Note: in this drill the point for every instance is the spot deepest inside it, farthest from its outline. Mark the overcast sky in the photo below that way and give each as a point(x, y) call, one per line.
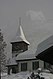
point(37, 20)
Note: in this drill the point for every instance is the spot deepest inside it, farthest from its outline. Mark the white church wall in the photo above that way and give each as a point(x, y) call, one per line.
point(29, 66)
point(41, 64)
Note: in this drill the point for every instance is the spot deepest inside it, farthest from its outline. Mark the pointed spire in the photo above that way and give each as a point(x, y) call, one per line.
point(20, 34)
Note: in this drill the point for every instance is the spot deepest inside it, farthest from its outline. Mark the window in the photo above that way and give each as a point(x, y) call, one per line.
point(23, 66)
point(35, 65)
point(46, 65)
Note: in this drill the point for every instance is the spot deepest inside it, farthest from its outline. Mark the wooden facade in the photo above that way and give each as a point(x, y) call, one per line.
point(19, 47)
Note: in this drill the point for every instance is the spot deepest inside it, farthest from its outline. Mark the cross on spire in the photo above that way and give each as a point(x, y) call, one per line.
point(19, 21)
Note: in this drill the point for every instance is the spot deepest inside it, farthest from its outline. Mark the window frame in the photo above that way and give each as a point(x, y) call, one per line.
point(33, 65)
point(22, 66)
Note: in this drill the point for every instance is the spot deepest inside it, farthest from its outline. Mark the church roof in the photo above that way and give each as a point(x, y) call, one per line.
point(45, 45)
point(20, 36)
point(29, 54)
point(11, 61)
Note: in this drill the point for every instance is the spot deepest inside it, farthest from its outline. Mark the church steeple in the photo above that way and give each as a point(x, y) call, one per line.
point(19, 43)
point(20, 34)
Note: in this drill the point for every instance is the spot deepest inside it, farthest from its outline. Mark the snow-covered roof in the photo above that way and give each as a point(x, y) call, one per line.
point(44, 45)
point(26, 55)
point(11, 61)
point(20, 36)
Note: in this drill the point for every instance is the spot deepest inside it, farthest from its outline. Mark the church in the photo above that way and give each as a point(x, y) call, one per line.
point(23, 59)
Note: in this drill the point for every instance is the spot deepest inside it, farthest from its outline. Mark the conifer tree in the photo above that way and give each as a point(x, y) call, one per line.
point(2, 54)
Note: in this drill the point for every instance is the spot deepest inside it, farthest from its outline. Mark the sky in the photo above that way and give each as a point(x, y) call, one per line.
point(36, 20)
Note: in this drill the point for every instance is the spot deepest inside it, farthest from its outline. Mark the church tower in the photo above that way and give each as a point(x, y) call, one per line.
point(19, 43)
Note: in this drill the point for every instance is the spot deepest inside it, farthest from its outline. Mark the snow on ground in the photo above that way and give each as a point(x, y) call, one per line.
point(21, 75)
point(24, 75)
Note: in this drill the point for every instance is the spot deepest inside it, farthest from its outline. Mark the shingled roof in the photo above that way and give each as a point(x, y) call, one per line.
point(27, 55)
point(11, 62)
point(44, 45)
